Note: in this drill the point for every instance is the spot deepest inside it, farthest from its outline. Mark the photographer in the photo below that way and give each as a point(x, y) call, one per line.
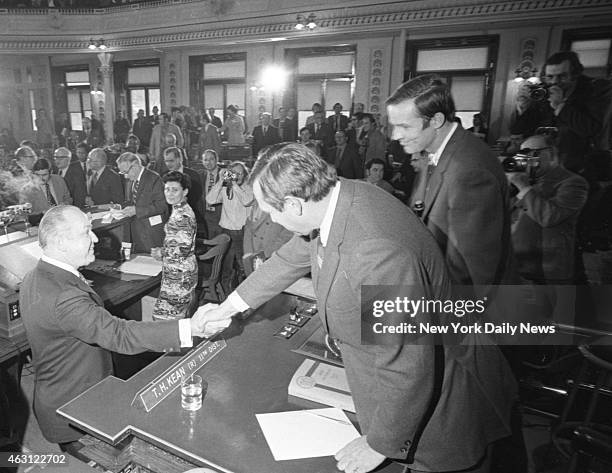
point(545, 212)
point(235, 195)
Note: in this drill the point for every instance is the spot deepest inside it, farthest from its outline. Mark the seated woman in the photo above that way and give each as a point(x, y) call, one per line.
point(180, 267)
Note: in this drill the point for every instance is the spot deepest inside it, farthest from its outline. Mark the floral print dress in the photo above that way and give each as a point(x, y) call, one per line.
point(179, 265)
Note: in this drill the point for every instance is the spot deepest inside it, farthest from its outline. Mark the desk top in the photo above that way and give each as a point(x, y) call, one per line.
point(250, 376)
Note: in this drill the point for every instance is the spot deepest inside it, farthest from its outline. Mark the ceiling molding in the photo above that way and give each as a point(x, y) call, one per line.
point(336, 20)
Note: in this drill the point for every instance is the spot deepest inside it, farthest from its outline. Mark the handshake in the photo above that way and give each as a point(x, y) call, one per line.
point(211, 319)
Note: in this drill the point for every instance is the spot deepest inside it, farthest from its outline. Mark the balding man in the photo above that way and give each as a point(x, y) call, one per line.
point(146, 201)
point(103, 184)
point(70, 332)
point(25, 157)
point(73, 175)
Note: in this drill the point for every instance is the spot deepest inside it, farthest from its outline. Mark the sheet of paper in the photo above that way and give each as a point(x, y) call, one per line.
point(144, 265)
point(306, 434)
point(98, 215)
point(33, 248)
point(12, 237)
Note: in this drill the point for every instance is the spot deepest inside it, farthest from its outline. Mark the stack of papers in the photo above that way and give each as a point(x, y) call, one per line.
point(306, 434)
point(144, 265)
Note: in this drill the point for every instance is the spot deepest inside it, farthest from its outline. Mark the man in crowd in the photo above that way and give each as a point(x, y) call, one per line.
point(214, 120)
point(348, 234)
point(173, 159)
point(70, 332)
point(121, 127)
point(142, 127)
point(48, 190)
point(321, 133)
point(210, 176)
point(375, 172)
point(235, 196)
point(372, 143)
point(464, 190)
point(545, 214)
point(73, 175)
point(82, 152)
point(104, 185)
point(209, 136)
point(154, 119)
point(25, 157)
point(337, 121)
point(93, 133)
point(157, 143)
point(146, 201)
point(345, 157)
point(264, 134)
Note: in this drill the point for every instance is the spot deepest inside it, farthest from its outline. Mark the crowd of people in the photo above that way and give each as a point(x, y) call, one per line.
point(465, 219)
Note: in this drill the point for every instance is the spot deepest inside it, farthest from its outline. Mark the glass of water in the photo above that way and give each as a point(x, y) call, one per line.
point(191, 392)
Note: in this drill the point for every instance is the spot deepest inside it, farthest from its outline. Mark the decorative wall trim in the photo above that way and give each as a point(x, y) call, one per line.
point(396, 15)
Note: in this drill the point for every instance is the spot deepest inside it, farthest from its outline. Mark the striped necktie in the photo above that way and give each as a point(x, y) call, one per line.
point(49, 196)
point(135, 191)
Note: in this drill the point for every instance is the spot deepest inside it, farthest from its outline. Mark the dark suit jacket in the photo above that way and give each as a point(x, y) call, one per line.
point(262, 234)
point(143, 128)
point(375, 240)
point(544, 234)
point(331, 121)
point(287, 129)
point(261, 141)
point(70, 333)
point(150, 203)
point(349, 164)
point(108, 188)
point(194, 196)
point(75, 180)
point(325, 135)
point(466, 208)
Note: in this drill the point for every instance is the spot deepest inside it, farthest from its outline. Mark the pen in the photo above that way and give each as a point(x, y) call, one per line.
point(342, 421)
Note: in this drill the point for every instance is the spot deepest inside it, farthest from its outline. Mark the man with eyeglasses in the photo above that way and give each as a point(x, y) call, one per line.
point(145, 201)
point(545, 213)
point(73, 175)
point(25, 158)
point(47, 190)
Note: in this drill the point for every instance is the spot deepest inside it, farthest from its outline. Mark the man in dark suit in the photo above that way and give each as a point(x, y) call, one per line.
point(142, 128)
point(337, 121)
point(264, 134)
point(146, 202)
point(69, 330)
point(73, 175)
point(210, 176)
point(173, 159)
point(345, 158)
point(214, 120)
point(321, 132)
point(464, 190)
point(367, 237)
point(104, 185)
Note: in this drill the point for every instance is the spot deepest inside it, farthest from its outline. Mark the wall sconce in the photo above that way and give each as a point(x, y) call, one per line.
point(525, 72)
point(97, 44)
point(304, 22)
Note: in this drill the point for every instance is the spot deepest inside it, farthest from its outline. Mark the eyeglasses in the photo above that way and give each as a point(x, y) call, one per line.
point(534, 152)
point(42, 174)
point(125, 173)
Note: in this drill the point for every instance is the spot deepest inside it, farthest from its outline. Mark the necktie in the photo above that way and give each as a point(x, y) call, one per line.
point(265, 130)
point(316, 129)
point(92, 181)
point(50, 198)
point(338, 155)
point(135, 191)
point(337, 123)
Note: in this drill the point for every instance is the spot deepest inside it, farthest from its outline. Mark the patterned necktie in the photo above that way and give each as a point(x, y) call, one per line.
point(91, 182)
point(50, 198)
point(135, 191)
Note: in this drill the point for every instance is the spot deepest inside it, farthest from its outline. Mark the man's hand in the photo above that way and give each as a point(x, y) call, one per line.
point(556, 96)
point(519, 179)
point(210, 319)
point(358, 457)
point(129, 211)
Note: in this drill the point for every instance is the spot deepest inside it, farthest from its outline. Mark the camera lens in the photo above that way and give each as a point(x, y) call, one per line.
point(539, 93)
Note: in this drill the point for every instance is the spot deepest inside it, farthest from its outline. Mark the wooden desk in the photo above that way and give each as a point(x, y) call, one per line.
point(249, 376)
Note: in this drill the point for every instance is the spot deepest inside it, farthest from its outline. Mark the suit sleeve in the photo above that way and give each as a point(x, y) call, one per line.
point(567, 202)
point(63, 192)
point(116, 189)
point(287, 265)
point(81, 317)
point(155, 204)
point(404, 372)
point(587, 116)
point(475, 208)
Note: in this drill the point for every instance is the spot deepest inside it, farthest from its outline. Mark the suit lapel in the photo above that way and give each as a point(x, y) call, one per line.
point(331, 257)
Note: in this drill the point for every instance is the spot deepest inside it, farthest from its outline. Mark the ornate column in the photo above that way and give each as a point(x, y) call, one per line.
point(107, 106)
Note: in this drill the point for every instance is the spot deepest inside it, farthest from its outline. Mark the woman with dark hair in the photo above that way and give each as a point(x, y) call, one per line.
point(180, 267)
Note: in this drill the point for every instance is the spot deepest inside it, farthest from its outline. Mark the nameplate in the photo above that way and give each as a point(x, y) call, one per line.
point(167, 382)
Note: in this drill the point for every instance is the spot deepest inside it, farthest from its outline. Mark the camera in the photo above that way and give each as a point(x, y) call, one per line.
point(538, 92)
point(228, 177)
point(521, 163)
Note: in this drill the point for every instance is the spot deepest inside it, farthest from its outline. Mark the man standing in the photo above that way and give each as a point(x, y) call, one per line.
point(321, 133)
point(345, 157)
point(464, 190)
point(264, 134)
point(210, 176)
point(73, 174)
point(48, 189)
point(156, 145)
point(103, 184)
point(372, 143)
point(146, 201)
point(214, 120)
point(69, 330)
point(142, 128)
point(349, 234)
point(337, 121)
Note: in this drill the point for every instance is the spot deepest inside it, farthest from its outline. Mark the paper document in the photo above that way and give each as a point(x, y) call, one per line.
point(324, 383)
point(306, 434)
point(145, 265)
point(303, 288)
point(98, 215)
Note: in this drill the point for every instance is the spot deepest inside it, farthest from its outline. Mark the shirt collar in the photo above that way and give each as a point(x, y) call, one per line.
point(61, 265)
point(436, 156)
point(181, 170)
point(329, 215)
